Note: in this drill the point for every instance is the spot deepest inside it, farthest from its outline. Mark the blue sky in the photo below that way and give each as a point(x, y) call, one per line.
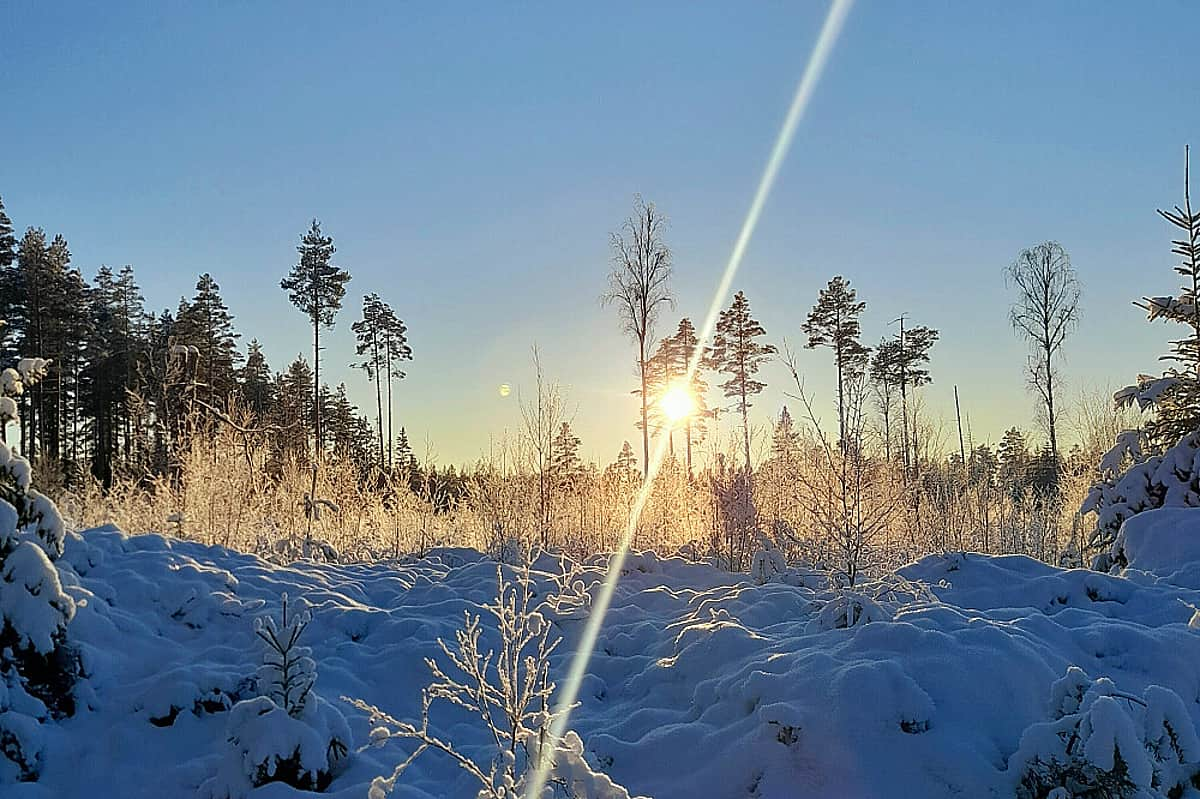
point(470, 160)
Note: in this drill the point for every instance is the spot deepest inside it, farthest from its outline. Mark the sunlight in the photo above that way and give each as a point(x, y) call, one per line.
point(830, 31)
point(678, 403)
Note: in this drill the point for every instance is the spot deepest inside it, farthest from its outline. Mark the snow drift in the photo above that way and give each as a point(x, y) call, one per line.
point(703, 683)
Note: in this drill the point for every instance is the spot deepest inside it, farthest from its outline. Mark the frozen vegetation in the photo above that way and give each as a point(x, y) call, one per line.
point(960, 675)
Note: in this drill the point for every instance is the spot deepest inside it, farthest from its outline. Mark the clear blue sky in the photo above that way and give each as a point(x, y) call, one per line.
point(470, 160)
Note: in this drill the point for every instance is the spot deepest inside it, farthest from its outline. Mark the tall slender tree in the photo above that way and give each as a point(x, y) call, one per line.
point(1045, 310)
point(736, 352)
point(833, 323)
point(639, 285)
point(369, 332)
point(902, 362)
point(316, 287)
point(397, 350)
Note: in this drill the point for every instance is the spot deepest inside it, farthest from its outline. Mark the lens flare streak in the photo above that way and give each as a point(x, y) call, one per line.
point(830, 31)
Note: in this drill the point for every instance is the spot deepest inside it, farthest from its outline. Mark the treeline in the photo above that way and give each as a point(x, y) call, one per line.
point(127, 388)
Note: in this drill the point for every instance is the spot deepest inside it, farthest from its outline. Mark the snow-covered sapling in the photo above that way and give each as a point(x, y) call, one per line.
point(288, 734)
point(288, 671)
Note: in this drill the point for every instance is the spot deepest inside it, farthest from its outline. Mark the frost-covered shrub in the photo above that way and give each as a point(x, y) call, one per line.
point(1101, 743)
point(768, 563)
point(287, 734)
point(509, 692)
point(1171, 479)
point(847, 610)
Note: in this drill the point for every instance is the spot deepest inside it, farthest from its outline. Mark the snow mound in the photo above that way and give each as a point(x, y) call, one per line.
point(701, 683)
point(1164, 541)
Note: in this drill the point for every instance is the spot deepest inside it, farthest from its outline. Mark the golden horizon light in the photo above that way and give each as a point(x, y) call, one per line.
point(678, 403)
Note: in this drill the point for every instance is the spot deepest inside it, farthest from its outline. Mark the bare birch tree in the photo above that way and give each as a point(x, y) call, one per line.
point(639, 287)
point(1045, 311)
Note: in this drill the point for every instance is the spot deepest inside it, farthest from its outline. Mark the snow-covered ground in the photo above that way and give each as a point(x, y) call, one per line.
point(703, 684)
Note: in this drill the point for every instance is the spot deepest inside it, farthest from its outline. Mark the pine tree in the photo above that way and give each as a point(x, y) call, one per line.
point(902, 362)
point(1013, 458)
point(669, 368)
point(294, 407)
point(255, 381)
point(8, 241)
point(406, 461)
point(833, 323)
point(565, 466)
point(785, 439)
point(736, 353)
point(316, 287)
point(625, 468)
point(1175, 396)
point(397, 350)
point(205, 323)
point(370, 333)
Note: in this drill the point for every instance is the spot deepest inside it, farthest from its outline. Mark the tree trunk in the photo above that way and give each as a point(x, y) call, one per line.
point(317, 388)
point(645, 423)
point(378, 395)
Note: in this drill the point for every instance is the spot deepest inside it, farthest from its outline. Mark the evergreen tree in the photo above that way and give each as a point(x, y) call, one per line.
point(565, 466)
point(670, 368)
point(8, 241)
point(1013, 457)
point(736, 353)
point(397, 350)
point(981, 466)
point(833, 323)
point(370, 335)
point(316, 287)
point(625, 468)
point(902, 362)
point(785, 439)
point(294, 407)
point(255, 381)
point(1175, 396)
point(406, 461)
point(206, 324)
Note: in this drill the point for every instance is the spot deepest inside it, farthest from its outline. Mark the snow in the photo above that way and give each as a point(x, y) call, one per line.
point(1165, 541)
point(702, 683)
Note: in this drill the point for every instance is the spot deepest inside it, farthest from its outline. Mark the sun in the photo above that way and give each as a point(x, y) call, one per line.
point(677, 403)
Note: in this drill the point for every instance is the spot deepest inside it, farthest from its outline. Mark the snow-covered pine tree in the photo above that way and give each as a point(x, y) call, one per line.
point(1103, 742)
point(288, 671)
point(289, 733)
point(1175, 395)
point(37, 667)
point(1157, 465)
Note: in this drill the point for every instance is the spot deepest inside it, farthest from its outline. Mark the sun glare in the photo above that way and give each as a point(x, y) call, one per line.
point(677, 403)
